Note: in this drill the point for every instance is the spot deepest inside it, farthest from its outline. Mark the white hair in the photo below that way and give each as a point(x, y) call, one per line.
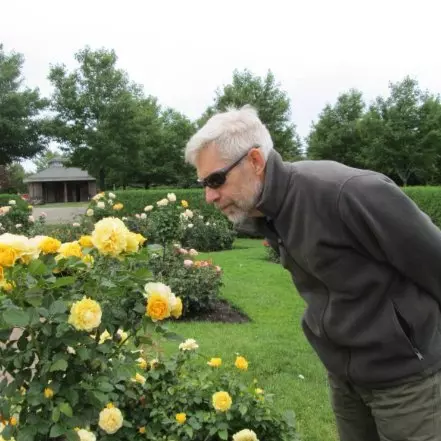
point(233, 132)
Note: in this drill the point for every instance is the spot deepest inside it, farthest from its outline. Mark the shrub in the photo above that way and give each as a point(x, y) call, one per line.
point(428, 199)
point(16, 217)
point(271, 254)
point(81, 326)
point(197, 282)
point(212, 234)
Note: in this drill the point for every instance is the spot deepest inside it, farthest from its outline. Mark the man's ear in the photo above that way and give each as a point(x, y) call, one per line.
point(257, 161)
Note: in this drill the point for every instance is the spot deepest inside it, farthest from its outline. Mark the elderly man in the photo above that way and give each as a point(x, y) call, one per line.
point(366, 260)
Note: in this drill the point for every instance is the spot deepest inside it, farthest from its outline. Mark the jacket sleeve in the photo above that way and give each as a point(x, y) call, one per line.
point(387, 223)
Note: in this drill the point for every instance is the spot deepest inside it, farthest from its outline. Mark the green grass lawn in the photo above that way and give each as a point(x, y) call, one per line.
point(273, 341)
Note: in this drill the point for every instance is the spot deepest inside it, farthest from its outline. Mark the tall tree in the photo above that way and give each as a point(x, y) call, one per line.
point(402, 131)
point(21, 129)
point(94, 104)
point(271, 102)
point(336, 134)
point(41, 161)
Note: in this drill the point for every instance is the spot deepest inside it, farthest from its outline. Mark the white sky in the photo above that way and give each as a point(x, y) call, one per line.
point(181, 51)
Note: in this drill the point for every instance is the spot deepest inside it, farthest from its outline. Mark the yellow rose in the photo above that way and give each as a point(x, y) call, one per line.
point(85, 435)
point(8, 255)
point(134, 241)
point(215, 362)
point(158, 307)
point(2, 273)
point(176, 310)
point(105, 336)
point(13, 421)
point(49, 245)
point(139, 379)
point(69, 249)
point(6, 286)
point(85, 241)
point(141, 429)
point(110, 236)
point(241, 363)
point(85, 315)
point(245, 435)
point(25, 249)
point(88, 260)
point(181, 418)
point(184, 204)
point(110, 419)
point(142, 363)
point(222, 401)
point(48, 393)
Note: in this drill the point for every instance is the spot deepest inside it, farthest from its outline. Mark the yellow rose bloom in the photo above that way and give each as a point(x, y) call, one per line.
point(49, 245)
point(8, 255)
point(110, 420)
point(13, 421)
point(215, 362)
point(134, 240)
point(176, 310)
point(184, 204)
point(158, 307)
point(142, 363)
point(2, 273)
point(85, 241)
point(181, 418)
point(139, 379)
point(104, 336)
point(245, 435)
point(48, 393)
point(85, 315)
point(118, 206)
point(241, 363)
point(141, 429)
point(6, 286)
point(110, 236)
point(85, 435)
point(69, 249)
point(88, 260)
point(25, 249)
point(222, 401)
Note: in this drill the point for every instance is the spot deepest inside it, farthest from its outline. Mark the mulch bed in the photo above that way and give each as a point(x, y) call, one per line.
point(222, 312)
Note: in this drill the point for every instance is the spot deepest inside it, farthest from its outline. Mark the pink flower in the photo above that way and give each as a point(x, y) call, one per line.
point(43, 214)
point(188, 263)
point(183, 251)
point(218, 268)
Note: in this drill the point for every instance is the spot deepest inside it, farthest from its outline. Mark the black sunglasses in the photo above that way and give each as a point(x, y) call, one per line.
point(218, 178)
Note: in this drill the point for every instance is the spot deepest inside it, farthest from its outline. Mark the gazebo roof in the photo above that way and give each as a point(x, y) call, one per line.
point(58, 172)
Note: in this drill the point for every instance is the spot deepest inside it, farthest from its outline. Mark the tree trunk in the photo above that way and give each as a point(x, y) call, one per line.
point(102, 179)
point(4, 178)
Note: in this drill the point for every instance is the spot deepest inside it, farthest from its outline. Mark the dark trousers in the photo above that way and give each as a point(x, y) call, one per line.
point(409, 412)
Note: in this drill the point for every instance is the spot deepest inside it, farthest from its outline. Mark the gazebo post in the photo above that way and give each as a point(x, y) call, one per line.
point(65, 191)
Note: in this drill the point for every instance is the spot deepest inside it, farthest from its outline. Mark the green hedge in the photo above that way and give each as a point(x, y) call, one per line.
point(5, 198)
point(428, 199)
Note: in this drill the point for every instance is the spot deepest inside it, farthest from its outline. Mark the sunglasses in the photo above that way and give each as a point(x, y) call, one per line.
point(218, 178)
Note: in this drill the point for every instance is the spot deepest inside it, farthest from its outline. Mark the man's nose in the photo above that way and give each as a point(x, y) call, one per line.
point(211, 195)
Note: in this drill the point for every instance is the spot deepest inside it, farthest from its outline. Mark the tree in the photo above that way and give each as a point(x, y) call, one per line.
point(271, 102)
point(336, 135)
point(21, 129)
point(402, 132)
point(42, 160)
point(16, 174)
point(94, 107)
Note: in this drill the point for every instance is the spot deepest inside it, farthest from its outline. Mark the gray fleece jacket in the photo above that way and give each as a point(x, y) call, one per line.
point(366, 260)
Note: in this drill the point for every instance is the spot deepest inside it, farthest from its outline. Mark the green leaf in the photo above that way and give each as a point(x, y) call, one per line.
point(37, 267)
point(83, 353)
point(101, 397)
point(72, 435)
point(105, 387)
point(56, 430)
point(189, 431)
point(7, 432)
point(58, 307)
point(64, 281)
point(34, 296)
point(55, 414)
point(26, 433)
point(59, 365)
point(16, 317)
point(66, 409)
point(223, 434)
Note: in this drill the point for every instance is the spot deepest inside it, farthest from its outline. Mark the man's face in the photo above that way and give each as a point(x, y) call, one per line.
point(238, 196)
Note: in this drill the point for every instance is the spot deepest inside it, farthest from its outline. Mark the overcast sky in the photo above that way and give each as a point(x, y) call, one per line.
point(182, 50)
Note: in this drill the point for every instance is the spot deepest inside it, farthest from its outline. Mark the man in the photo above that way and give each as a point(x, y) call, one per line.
point(366, 260)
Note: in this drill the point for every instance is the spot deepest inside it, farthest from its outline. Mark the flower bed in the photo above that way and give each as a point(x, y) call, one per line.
point(82, 324)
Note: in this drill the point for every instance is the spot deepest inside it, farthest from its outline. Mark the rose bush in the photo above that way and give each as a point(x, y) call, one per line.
point(81, 325)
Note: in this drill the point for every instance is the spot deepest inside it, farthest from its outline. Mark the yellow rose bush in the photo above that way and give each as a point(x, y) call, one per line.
point(82, 324)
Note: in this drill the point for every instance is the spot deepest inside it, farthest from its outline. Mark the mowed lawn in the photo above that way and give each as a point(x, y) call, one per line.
point(273, 341)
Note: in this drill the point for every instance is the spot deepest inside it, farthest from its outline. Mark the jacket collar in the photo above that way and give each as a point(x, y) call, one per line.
point(276, 184)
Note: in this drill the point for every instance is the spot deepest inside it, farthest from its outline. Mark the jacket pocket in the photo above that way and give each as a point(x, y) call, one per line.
point(407, 331)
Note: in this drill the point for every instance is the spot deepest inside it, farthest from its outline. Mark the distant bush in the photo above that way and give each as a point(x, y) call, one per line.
point(429, 201)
